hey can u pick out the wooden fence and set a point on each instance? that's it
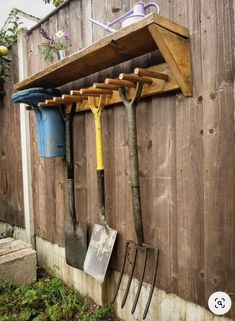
(11, 184)
(186, 151)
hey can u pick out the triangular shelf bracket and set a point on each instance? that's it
(176, 52)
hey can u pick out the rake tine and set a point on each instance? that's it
(121, 274)
(141, 282)
(152, 287)
(129, 281)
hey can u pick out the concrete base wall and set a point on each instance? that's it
(164, 306)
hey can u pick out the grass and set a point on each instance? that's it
(49, 299)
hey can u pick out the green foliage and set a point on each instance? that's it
(7, 37)
(6, 287)
(8, 34)
(56, 3)
(102, 313)
(49, 299)
(46, 52)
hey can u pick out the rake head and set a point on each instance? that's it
(146, 250)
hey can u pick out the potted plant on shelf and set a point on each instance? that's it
(58, 45)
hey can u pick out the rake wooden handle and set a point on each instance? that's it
(150, 73)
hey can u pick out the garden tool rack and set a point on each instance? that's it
(127, 88)
(151, 33)
(157, 79)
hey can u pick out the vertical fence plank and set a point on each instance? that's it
(76, 25)
(189, 165)
(157, 178)
(11, 195)
(219, 175)
(87, 31)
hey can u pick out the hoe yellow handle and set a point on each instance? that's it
(97, 111)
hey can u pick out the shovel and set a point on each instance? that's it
(75, 231)
(103, 237)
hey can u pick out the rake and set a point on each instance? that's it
(139, 246)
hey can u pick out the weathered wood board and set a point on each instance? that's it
(186, 151)
(11, 182)
(123, 45)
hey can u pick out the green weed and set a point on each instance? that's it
(49, 299)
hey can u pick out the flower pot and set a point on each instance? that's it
(61, 54)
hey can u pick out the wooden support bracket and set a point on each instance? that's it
(176, 52)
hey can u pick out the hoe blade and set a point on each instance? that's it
(99, 251)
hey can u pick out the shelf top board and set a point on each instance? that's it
(125, 44)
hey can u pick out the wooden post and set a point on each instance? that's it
(25, 143)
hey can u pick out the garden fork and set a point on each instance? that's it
(130, 106)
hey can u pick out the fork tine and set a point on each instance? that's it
(129, 280)
(140, 283)
(121, 273)
(152, 286)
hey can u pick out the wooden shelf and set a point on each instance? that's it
(151, 33)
